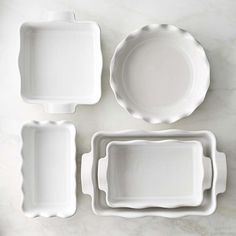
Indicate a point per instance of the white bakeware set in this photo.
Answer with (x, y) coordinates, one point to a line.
(159, 73)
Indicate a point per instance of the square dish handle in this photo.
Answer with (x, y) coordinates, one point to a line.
(60, 108)
(221, 172)
(61, 16)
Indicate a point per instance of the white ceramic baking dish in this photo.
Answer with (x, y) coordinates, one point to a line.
(160, 73)
(49, 169)
(142, 173)
(99, 142)
(60, 62)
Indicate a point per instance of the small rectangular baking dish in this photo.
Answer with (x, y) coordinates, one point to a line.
(60, 62)
(49, 169)
(142, 173)
(89, 167)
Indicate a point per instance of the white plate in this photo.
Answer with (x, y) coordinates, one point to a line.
(99, 142)
(49, 169)
(160, 73)
(60, 62)
(141, 173)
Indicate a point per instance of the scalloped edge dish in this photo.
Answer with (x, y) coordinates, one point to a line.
(60, 62)
(143, 173)
(159, 73)
(48, 169)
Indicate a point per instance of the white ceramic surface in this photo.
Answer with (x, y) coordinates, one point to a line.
(60, 62)
(141, 173)
(101, 139)
(160, 73)
(49, 169)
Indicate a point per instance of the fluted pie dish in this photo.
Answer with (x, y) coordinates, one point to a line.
(160, 73)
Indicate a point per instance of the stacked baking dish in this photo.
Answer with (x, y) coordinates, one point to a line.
(159, 73)
(143, 173)
(170, 173)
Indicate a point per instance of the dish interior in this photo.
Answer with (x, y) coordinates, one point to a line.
(152, 68)
(164, 174)
(60, 61)
(48, 170)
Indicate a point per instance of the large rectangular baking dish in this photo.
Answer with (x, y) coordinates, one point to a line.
(142, 173)
(98, 150)
(48, 169)
(60, 62)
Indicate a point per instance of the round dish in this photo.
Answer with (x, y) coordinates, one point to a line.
(160, 73)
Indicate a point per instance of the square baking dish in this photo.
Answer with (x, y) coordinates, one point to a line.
(99, 142)
(142, 173)
(60, 62)
(48, 169)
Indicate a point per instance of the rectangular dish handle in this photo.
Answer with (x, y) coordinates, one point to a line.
(102, 174)
(86, 173)
(207, 173)
(221, 172)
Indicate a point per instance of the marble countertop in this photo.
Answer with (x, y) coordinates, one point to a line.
(212, 22)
